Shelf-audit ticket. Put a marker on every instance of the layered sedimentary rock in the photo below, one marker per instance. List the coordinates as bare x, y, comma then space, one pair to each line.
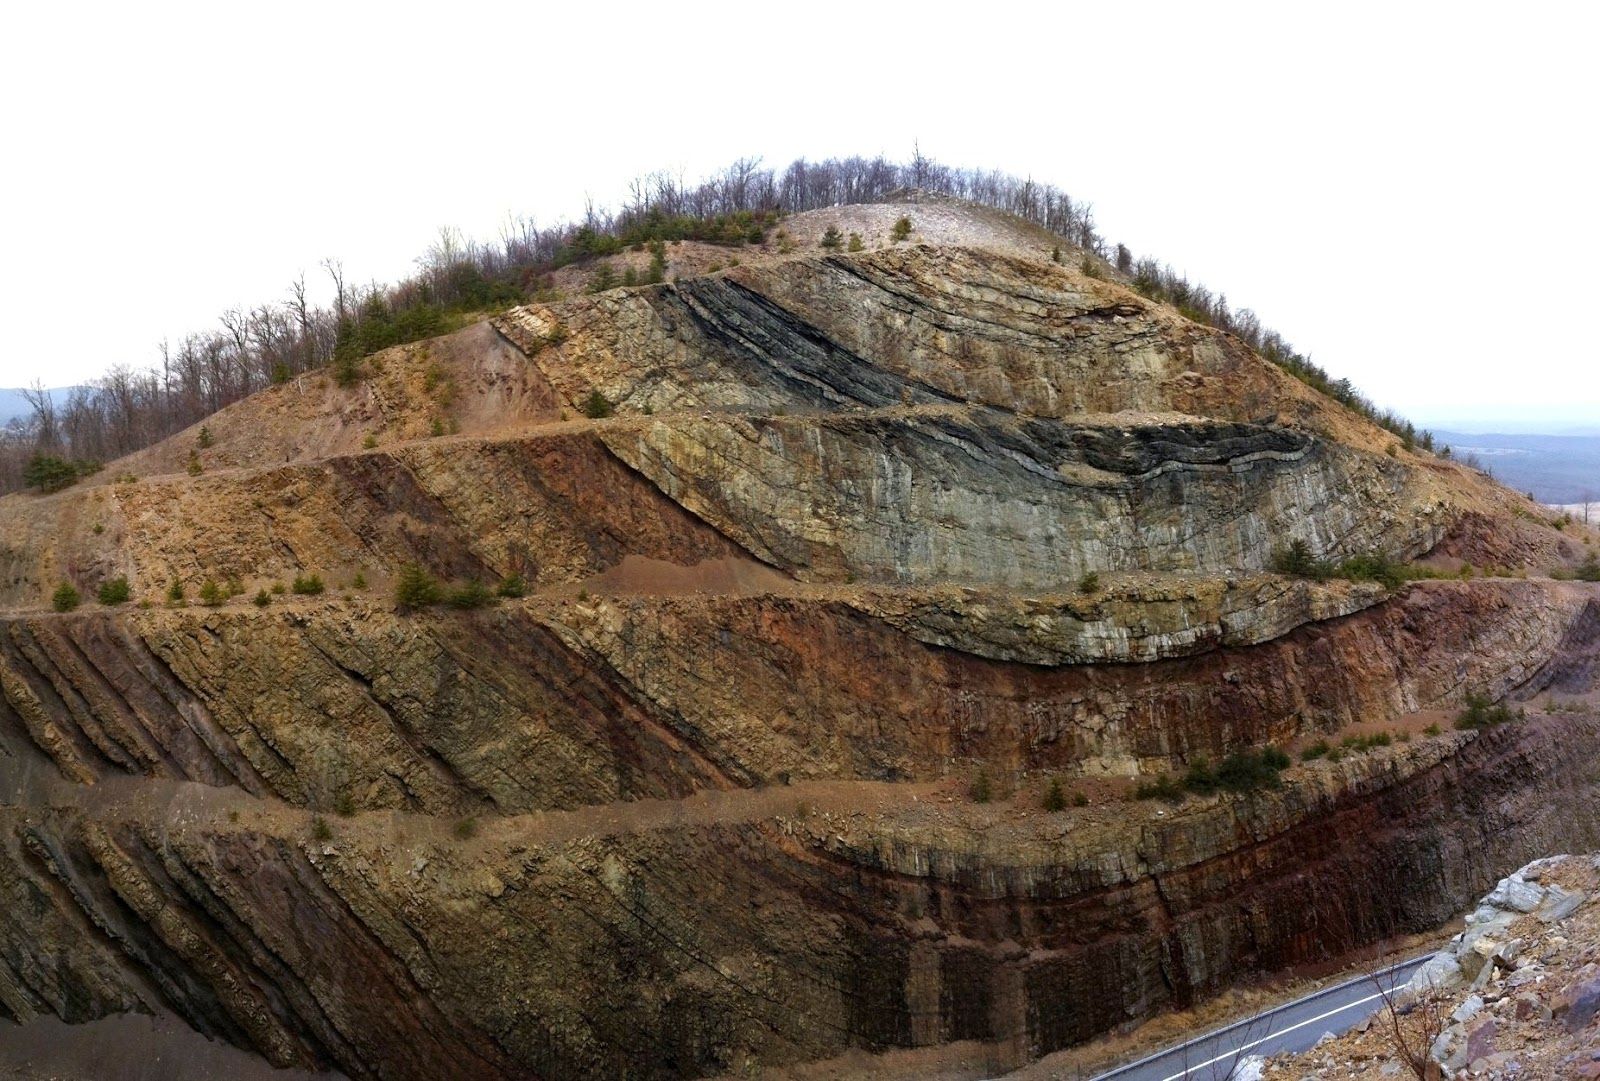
682, 939
860, 528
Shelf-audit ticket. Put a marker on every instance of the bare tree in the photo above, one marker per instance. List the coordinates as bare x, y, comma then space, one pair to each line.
1413, 1024
46, 435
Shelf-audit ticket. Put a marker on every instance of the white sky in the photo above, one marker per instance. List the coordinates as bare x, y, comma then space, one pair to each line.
1406, 190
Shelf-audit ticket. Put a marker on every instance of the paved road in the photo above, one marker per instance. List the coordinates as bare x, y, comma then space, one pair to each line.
1292, 1027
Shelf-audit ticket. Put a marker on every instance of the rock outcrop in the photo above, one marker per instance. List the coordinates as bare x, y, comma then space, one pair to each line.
1515, 995
865, 537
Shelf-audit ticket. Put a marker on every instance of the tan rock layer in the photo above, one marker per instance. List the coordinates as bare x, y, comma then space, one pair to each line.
561, 703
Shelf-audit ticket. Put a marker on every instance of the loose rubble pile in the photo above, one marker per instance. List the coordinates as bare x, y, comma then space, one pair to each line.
1516, 995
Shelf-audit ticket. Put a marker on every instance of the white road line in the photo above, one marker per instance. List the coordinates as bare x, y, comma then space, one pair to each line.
1186, 1071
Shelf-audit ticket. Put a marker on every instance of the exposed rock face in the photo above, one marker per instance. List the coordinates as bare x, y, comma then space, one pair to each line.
1515, 995
924, 497
564, 703
860, 528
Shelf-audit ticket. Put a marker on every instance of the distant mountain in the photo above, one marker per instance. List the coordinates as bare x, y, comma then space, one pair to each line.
14, 404
1554, 468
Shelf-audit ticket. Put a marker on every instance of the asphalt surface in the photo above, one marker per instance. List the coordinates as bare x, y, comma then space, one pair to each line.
1296, 1026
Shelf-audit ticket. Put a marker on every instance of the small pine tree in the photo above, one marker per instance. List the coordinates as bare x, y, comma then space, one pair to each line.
855, 242
49, 473
1089, 583
512, 585
65, 598
472, 595
982, 789
832, 239
602, 279
1054, 798
211, 594
416, 588
307, 585
261, 599
114, 592
597, 406
195, 468
175, 593
1295, 560
205, 439
902, 230
1055, 254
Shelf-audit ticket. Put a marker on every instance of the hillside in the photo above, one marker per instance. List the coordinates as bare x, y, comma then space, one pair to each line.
831, 563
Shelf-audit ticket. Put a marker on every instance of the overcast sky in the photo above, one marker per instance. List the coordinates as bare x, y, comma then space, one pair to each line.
1406, 191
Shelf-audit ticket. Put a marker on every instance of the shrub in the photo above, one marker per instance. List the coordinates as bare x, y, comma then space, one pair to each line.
175, 593
1371, 568
1432, 730
1480, 713
597, 406
465, 829
1589, 569
1317, 750
195, 468
211, 594
48, 473
114, 592
832, 239
1164, 787
902, 230
1089, 583
472, 595
320, 830
347, 368
602, 279
1054, 798
1055, 254
1274, 758
359, 581
261, 599
982, 790
512, 585
1080, 800
279, 589
416, 588
65, 598
435, 428
855, 242
1297, 561
307, 585
369, 441
1248, 771
1244, 771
